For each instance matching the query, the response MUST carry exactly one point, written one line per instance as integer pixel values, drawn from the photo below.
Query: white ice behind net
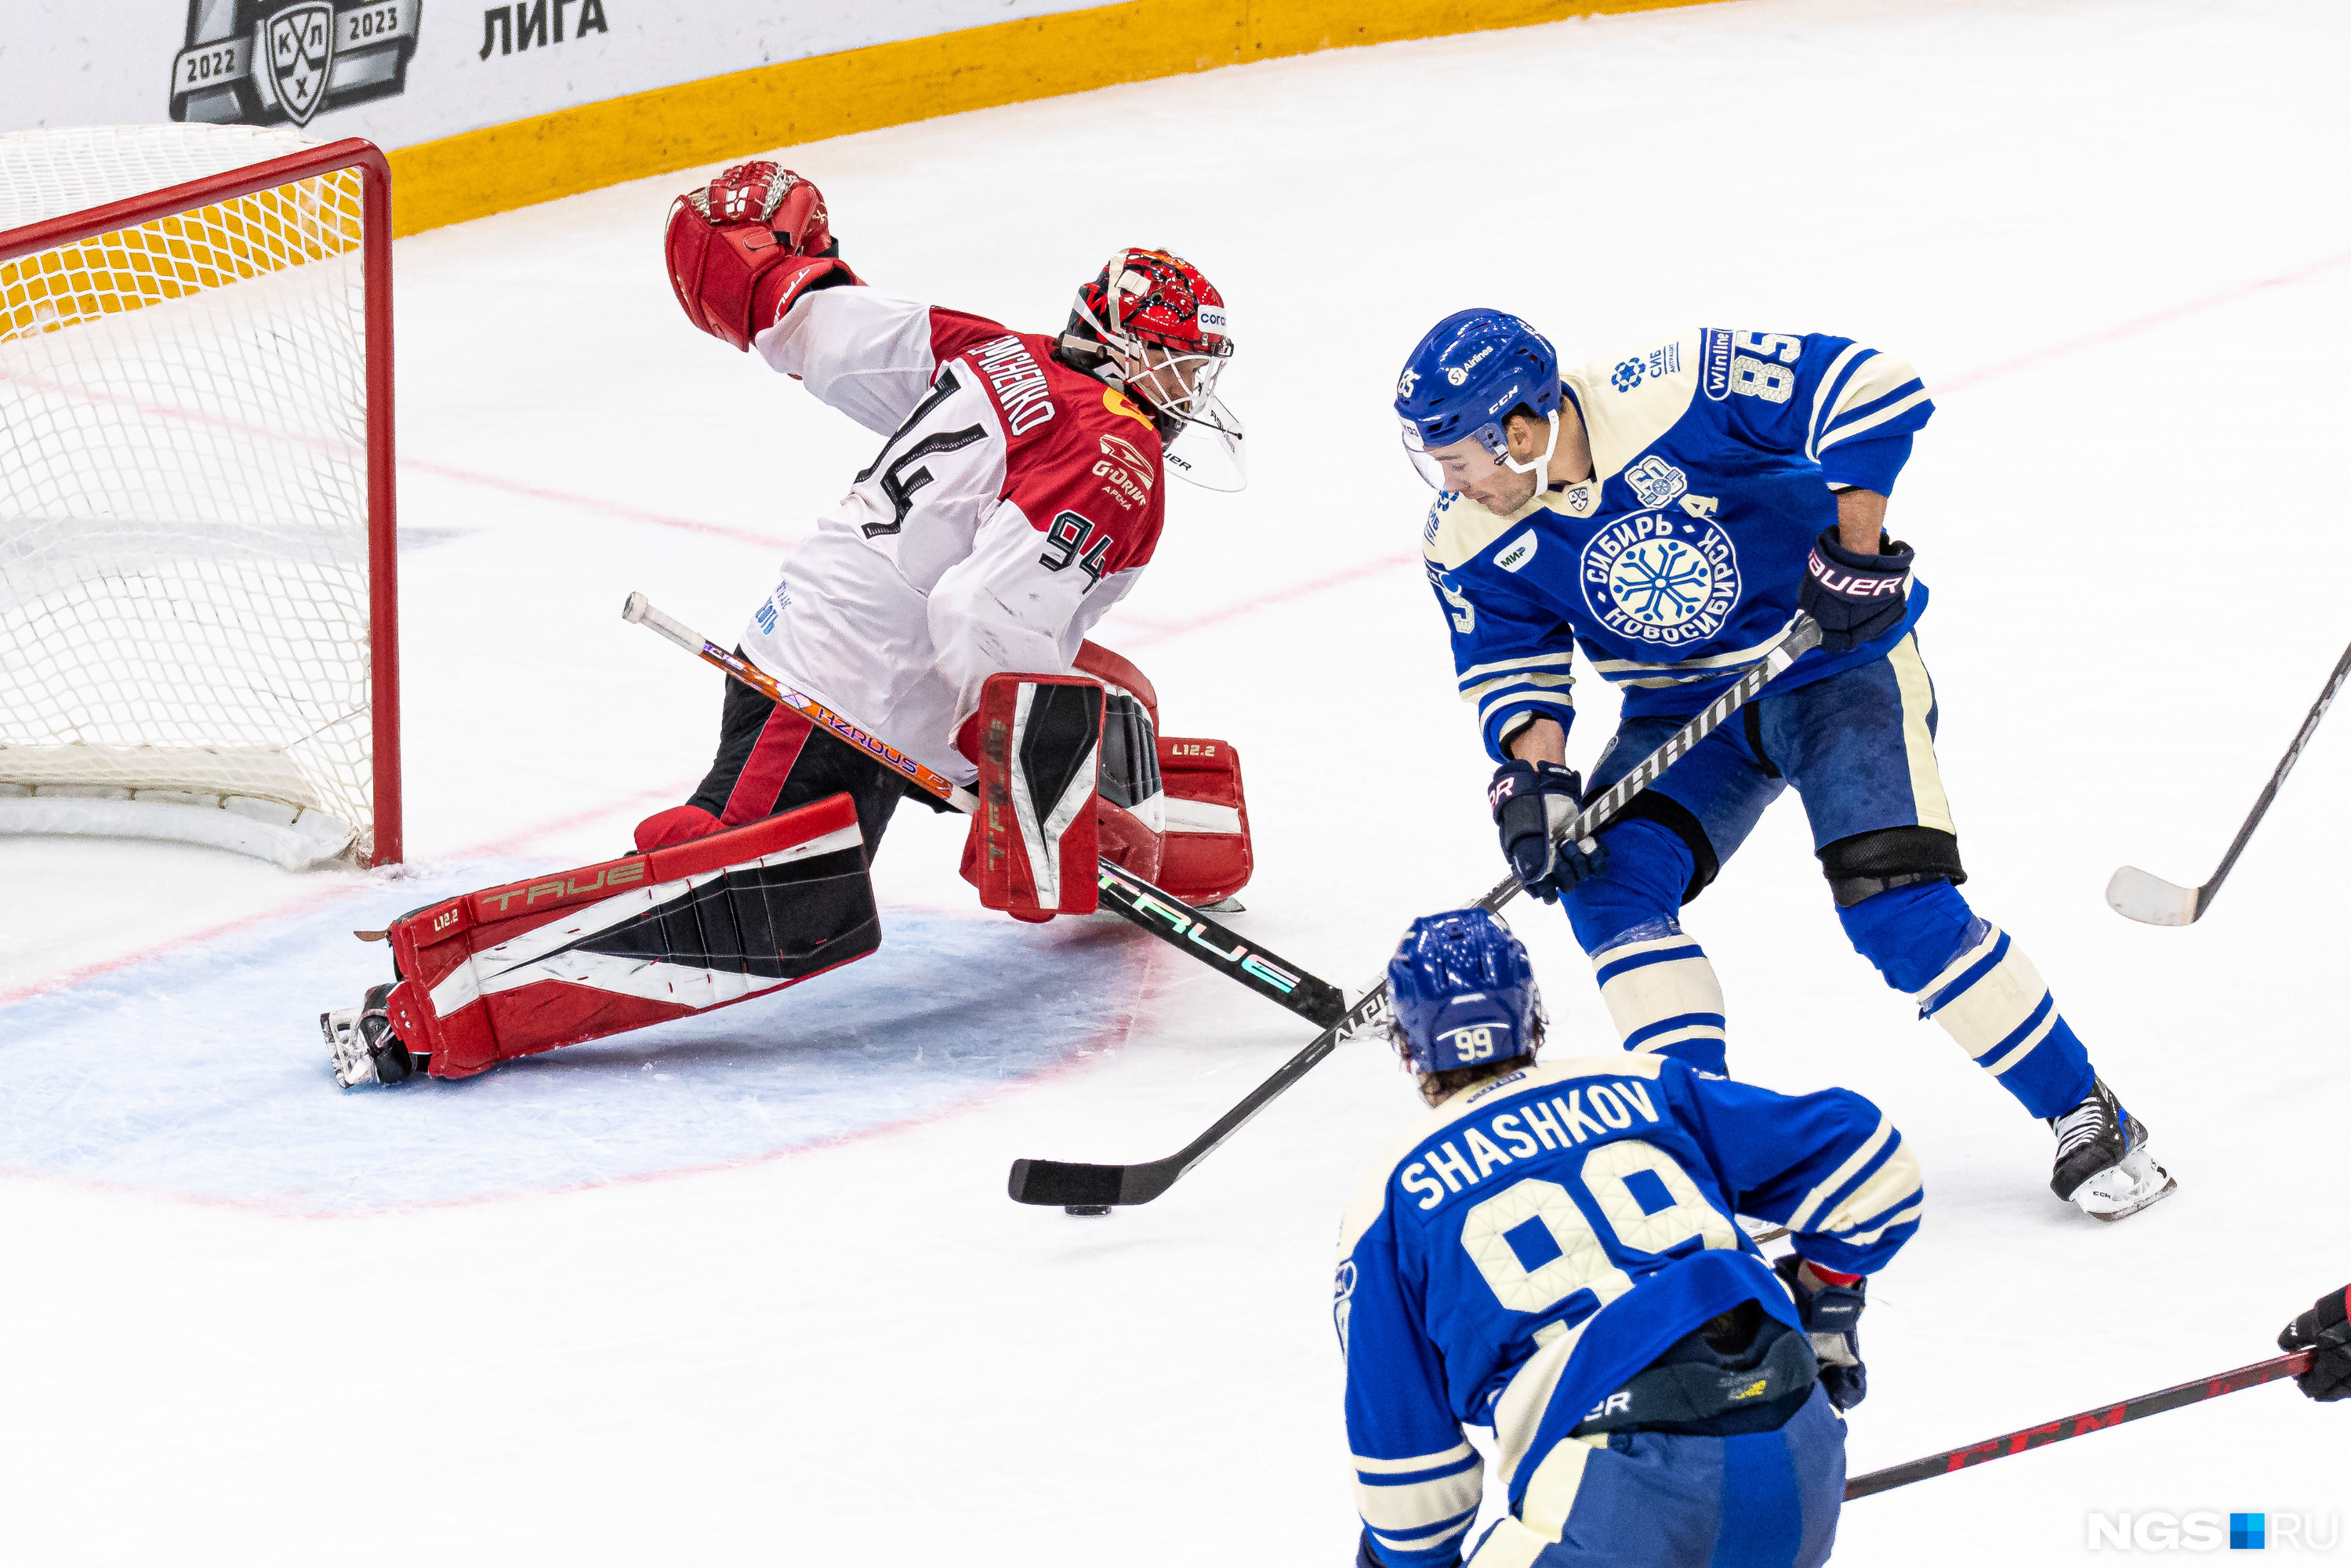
(184, 506)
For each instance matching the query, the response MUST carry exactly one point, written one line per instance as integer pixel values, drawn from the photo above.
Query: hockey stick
(1086, 1187)
(2096, 1420)
(1162, 914)
(2141, 896)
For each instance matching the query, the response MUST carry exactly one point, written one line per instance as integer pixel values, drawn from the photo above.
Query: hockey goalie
(943, 605)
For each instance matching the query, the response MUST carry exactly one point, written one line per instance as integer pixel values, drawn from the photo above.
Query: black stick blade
(1055, 1184)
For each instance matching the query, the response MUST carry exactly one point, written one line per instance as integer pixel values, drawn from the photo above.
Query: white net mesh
(184, 498)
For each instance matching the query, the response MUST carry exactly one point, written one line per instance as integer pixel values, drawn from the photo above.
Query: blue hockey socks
(1659, 987)
(1967, 975)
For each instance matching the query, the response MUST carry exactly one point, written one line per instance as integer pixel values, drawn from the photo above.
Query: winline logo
(2211, 1531)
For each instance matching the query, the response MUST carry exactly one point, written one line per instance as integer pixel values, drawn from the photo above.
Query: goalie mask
(1152, 325)
(1463, 993)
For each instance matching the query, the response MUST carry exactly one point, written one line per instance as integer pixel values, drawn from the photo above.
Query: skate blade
(354, 1065)
(2122, 1189)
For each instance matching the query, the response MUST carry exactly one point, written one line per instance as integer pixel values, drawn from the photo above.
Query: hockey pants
(771, 759)
(1858, 747)
(1659, 1500)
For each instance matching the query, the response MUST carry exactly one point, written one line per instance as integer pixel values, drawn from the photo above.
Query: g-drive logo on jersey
(276, 62)
(1659, 579)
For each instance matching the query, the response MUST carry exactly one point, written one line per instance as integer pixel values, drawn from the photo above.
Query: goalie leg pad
(1131, 810)
(1035, 839)
(1207, 857)
(576, 956)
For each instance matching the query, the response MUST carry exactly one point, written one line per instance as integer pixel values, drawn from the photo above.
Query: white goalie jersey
(1014, 502)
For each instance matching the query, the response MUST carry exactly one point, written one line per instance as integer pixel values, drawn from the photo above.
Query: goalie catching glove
(742, 250)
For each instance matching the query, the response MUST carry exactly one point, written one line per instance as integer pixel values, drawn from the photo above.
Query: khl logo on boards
(278, 62)
(2207, 1529)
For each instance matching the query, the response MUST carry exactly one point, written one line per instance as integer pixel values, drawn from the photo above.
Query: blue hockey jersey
(1680, 558)
(1539, 1238)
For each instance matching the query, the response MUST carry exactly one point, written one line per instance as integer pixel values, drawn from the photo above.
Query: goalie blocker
(1072, 770)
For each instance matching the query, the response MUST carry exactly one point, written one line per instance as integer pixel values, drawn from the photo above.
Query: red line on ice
(345, 450)
(2140, 324)
(1118, 1031)
(1150, 631)
(347, 885)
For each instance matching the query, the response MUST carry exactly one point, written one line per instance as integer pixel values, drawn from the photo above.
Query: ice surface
(195, 1075)
(2107, 233)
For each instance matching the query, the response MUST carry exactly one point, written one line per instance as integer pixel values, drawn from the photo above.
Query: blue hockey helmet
(1463, 379)
(1463, 993)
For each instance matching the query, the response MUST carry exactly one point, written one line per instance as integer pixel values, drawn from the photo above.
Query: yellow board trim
(502, 167)
(186, 253)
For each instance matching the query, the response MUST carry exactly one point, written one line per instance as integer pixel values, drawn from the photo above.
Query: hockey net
(197, 626)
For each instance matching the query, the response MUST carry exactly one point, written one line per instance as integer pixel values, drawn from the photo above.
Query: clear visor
(1476, 458)
(1181, 384)
(1208, 451)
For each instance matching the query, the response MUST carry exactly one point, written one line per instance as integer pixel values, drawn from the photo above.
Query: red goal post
(199, 628)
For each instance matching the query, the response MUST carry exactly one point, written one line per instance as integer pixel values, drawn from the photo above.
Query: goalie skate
(360, 1041)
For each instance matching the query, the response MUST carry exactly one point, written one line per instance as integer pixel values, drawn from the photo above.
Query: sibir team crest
(1657, 579)
(284, 62)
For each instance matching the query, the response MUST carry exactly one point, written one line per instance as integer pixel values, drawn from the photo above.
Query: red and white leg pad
(573, 956)
(1206, 857)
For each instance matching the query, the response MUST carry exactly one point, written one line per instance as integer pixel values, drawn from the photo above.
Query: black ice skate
(2102, 1163)
(365, 1049)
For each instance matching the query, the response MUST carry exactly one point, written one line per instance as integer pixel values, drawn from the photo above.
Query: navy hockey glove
(1831, 1311)
(2325, 1328)
(1856, 598)
(1532, 801)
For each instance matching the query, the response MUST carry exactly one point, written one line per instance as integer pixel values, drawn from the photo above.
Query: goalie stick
(2097, 1420)
(2144, 897)
(1088, 1188)
(1162, 914)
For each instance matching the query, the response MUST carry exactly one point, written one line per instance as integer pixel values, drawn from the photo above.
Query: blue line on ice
(203, 1073)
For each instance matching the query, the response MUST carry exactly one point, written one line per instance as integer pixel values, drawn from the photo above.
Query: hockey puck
(1085, 1208)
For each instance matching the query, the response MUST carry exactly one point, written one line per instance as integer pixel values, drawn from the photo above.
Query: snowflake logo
(1655, 582)
(1661, 583)
(1628, 375)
